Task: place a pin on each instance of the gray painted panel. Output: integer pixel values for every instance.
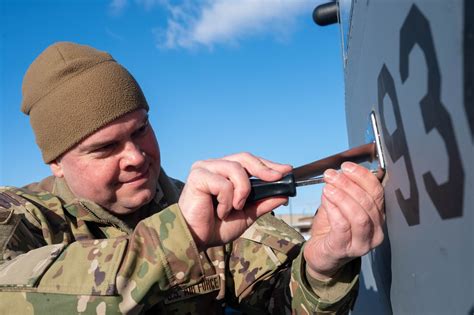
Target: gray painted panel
(426, 267)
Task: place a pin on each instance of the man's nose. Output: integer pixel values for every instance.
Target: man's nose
(133, 155)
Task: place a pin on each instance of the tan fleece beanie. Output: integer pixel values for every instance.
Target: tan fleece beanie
(70, 91)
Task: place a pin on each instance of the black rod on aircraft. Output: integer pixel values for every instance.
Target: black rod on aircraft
(326, 14)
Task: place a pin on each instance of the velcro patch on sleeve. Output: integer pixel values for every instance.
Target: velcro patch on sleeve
(25, 270)
(8, 224)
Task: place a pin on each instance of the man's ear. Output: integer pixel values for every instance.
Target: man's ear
(57, 168)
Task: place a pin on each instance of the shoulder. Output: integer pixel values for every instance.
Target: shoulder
(37, 209)
(14, 196)
(46, 184)
(28, 198)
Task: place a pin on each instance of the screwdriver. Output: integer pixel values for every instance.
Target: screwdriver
(313, 173)
(286, 186)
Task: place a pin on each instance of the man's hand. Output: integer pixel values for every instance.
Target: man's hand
(225, 183)
(349, 222)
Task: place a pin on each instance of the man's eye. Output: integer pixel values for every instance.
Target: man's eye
(105, 149)
(141, 131)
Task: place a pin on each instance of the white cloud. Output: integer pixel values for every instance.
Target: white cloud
(206, 23)
(117, 6)
(194, 23)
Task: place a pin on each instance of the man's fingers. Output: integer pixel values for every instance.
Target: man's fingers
(237, 168)
(341, 181)
(209, 183)
(235, 173)
(241, 220)
(261, 168)
(351, 202)
(366, 180)
(341, 236)
(282, 168)
(227, 182)
(360, 196)
(259, 208)
(362, 226)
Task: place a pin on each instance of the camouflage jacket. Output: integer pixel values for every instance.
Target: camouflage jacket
(64, 255)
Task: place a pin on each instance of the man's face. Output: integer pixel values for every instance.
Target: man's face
(117, 167)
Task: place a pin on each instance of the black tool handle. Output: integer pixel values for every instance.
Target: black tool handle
(261, 189)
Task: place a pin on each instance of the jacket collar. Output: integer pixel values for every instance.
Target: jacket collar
(86, 210)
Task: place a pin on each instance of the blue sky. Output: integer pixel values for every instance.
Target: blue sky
(221, 77)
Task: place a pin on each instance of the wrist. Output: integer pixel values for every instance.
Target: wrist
(320, 264)
(326, 276)
(200, 244)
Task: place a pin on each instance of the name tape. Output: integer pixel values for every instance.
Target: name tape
(209, 284)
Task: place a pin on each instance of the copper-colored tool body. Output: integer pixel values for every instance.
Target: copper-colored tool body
(363, 153)
(312, 173)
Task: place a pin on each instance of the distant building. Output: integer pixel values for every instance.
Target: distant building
(300, 222)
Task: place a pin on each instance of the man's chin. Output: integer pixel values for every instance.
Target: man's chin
(130, 199)
(139, 199)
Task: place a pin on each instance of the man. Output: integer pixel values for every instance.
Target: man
(112, 233)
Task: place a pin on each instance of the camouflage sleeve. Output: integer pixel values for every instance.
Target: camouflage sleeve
(115, 275)
(267, 273)
(335, 296)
